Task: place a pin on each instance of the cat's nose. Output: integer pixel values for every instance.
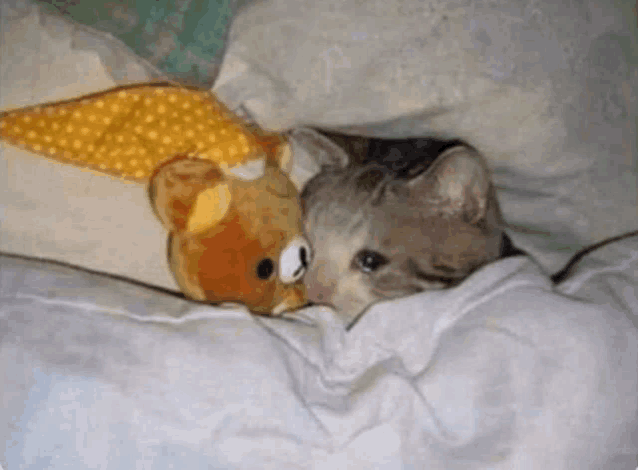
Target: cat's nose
(318, 293)
(319, 287)
(316, 296)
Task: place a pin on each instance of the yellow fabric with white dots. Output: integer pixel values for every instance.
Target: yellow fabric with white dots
(127, 132)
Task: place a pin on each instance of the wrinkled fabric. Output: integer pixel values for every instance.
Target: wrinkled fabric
(185, 39)
(503, 371)
(545, 90)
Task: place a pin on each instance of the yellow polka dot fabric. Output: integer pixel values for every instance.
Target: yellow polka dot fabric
(128, 131)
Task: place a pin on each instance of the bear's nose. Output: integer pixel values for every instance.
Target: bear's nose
(294, 259)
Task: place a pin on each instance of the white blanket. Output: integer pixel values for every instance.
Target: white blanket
(502, 372)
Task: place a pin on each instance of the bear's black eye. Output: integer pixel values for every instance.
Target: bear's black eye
(369, 261)
(265, 268)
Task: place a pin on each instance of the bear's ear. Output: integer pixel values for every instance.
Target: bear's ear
(189, 194)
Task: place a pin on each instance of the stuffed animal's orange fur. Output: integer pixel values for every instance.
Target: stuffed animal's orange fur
(229, 239)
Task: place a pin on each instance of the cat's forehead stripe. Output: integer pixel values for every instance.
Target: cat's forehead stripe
(357, 224)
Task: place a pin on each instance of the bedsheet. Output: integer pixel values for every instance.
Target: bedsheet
(502, 372)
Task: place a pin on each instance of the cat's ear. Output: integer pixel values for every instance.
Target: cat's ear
(324, 151)
(458, 182)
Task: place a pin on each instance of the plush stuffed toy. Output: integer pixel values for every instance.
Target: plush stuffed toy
(218, 187)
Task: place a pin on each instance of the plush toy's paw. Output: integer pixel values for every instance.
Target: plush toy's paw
(232, 240)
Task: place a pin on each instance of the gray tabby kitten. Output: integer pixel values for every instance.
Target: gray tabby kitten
(379, 234)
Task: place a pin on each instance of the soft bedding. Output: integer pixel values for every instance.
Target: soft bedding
(183, 39)
(504, 371)
(545, 90)
(57, 211)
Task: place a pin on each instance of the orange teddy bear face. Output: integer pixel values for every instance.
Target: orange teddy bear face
(232, 240)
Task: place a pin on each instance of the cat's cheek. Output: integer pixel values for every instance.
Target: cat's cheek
(320, 281)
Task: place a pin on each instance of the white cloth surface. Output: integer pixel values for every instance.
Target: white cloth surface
(545, 90)
(501, 372)
(58, 211)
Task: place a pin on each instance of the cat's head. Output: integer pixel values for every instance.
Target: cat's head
(376, 237)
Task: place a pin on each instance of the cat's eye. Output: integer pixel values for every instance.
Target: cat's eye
(368, 261)
(265, 268)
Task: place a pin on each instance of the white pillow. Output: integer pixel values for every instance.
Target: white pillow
(542, 89)
(56, 211)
